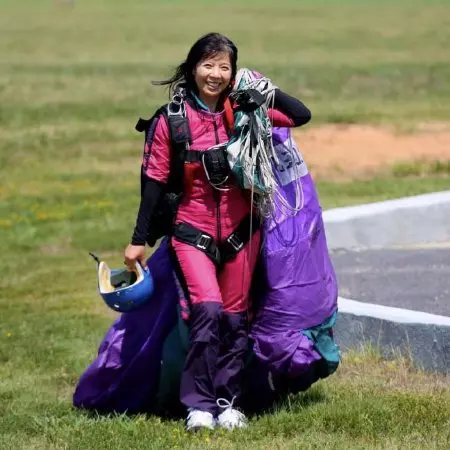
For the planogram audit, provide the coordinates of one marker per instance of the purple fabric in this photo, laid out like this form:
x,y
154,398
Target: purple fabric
x,y
125,374
301,288
197,381
233,349
215,358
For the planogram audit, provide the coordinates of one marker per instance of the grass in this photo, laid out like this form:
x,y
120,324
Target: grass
x,y
389,64
73,80
421,168
369,403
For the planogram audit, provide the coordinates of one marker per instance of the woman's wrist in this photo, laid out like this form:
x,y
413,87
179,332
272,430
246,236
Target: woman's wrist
x,y
137,241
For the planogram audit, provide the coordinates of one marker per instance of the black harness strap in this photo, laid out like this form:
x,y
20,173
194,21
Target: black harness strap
x,y
142,124
237,240
188,234
222,253
191,156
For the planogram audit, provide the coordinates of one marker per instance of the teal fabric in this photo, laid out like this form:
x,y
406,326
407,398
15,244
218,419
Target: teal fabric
x,y
257,122
172,363
200,103
324,343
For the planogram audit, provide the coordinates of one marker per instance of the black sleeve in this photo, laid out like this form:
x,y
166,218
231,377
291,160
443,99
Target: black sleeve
x,y
150,198
292,107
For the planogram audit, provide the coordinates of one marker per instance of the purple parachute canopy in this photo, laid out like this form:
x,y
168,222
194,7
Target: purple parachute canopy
x,y
300,284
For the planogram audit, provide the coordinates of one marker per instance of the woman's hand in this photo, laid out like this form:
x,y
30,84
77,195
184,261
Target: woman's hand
x,y
132,254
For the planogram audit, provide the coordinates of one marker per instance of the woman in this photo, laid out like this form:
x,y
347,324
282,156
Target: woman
x,y
217,294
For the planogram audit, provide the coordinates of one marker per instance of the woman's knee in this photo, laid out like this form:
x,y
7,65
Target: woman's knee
x,y
205,321
235,322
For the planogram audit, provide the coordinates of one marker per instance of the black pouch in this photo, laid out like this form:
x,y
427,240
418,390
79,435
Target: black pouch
x,y
216,165
179,129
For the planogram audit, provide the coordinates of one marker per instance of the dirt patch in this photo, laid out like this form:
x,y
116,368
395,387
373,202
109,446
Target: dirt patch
x,y
342,152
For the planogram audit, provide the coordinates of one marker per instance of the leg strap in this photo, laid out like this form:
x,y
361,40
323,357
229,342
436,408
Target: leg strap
x,y
188,234
232,245
237,240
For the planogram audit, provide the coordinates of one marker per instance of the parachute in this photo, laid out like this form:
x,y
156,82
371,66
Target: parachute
x,y
294,308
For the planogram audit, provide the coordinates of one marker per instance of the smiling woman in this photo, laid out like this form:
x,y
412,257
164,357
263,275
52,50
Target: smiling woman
x,y
215,240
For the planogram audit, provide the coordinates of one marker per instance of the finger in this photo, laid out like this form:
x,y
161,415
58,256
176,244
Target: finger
x,y
129,263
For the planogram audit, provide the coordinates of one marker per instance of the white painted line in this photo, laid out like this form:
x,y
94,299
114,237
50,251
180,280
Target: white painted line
x,y
390,313
370,209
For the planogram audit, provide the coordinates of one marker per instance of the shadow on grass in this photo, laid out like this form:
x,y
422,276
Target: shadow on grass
x,y
176,412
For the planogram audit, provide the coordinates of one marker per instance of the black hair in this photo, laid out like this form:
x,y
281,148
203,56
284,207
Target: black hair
x,y
207,46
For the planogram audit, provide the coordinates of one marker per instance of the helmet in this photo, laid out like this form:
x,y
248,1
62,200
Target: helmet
x,y
124,290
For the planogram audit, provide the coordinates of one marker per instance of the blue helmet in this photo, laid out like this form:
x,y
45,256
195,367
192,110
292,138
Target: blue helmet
x,y
124,290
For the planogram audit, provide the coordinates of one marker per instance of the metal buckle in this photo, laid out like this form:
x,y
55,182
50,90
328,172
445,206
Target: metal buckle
x,y
176,105
203,242
175,109
235,242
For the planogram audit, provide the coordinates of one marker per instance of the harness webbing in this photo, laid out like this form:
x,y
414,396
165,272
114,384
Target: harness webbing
x,y
222,252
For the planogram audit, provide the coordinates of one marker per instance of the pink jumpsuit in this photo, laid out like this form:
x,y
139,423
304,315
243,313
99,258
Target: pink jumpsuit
x,y
218,299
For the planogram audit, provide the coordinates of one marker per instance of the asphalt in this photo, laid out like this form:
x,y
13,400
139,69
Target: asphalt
x,y
411,278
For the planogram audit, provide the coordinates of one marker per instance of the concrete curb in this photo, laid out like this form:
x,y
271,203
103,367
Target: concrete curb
x,y
423,337
406,221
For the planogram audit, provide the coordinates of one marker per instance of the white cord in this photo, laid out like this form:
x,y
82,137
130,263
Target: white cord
x,y
257,162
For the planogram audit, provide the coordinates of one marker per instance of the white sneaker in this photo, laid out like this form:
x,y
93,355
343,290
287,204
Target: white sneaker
x,y
198,419
230,418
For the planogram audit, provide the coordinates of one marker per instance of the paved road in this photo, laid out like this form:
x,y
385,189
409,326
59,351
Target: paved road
x,y
415,278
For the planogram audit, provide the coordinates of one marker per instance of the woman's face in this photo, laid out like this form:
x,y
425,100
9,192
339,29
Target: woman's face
x,y
213,75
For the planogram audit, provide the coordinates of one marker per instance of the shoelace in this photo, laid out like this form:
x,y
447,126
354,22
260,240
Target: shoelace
x,y
226,404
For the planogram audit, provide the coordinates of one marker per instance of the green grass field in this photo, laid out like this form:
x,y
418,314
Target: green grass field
x,y
73,81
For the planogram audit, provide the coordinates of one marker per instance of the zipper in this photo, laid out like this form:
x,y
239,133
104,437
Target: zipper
x,y
217,196
216,192
216,131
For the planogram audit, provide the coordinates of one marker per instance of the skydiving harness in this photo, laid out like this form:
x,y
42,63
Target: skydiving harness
x,y
218,253
217,171
214,160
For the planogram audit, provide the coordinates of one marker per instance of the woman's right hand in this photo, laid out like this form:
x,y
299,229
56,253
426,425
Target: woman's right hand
x,y
132,254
